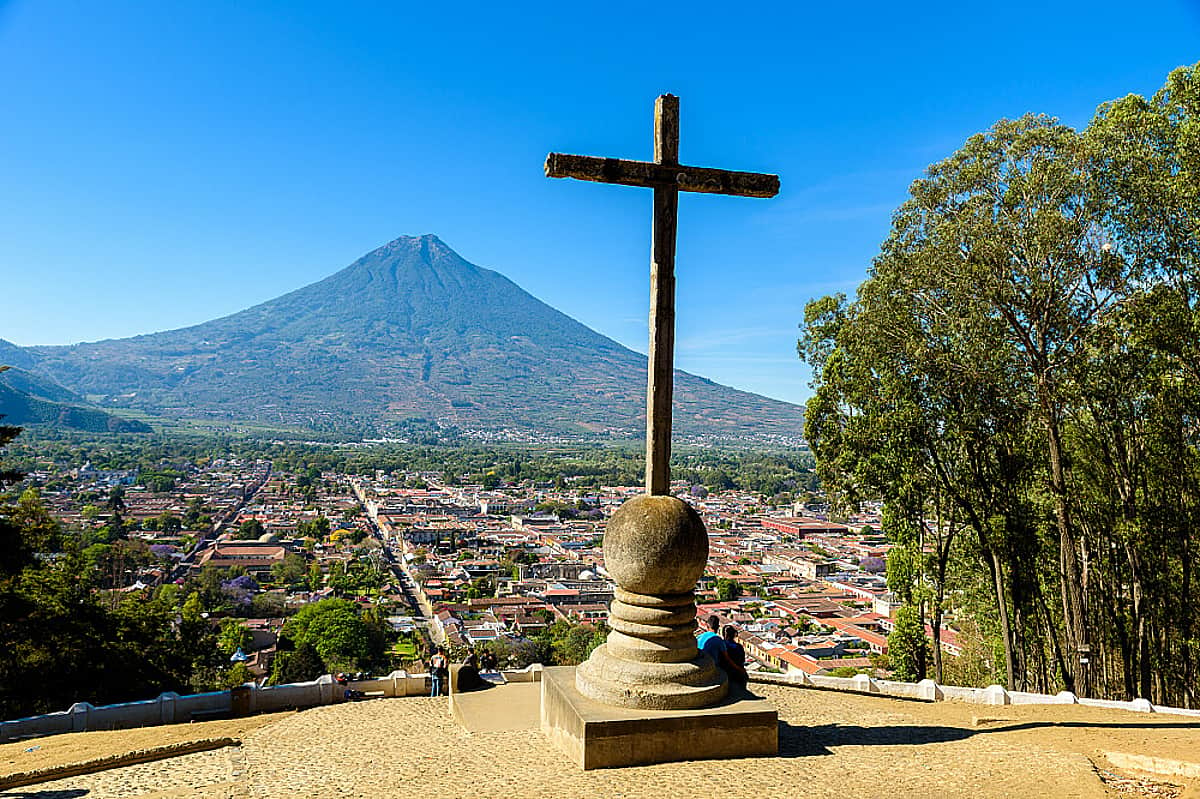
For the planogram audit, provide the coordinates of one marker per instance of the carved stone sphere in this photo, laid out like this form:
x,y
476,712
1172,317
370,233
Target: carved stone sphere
x,y
655,545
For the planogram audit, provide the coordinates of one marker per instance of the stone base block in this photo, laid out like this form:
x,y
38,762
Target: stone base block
x,y
596,735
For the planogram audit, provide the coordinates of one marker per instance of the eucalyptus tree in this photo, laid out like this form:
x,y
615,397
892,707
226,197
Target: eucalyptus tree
x,y
967,338
1023,363
911,407
1141,420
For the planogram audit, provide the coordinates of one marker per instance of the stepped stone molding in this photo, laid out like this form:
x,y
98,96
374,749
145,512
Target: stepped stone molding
x,y
655,548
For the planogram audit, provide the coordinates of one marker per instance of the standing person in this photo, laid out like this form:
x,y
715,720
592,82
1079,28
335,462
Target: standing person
x,y
439,671
735,653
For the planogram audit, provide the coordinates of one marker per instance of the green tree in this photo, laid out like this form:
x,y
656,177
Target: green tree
x,y
292,569
337,633
568,643
727,589
197,514
317,528
169,523
157,482
238,674
116,499
907,646
301,665
250,529
316,578
1020,366
233,636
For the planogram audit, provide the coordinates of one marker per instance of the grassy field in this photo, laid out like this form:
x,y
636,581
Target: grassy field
x,y
405,648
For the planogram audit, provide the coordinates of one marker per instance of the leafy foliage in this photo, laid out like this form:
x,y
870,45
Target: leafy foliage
x,y
908,646
343,639
569,644
1016,380
728,589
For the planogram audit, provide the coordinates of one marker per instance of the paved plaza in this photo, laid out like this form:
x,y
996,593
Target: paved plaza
x,y
831,745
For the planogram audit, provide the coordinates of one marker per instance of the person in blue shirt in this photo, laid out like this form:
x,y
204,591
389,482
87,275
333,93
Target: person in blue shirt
x,y
711,643
716,647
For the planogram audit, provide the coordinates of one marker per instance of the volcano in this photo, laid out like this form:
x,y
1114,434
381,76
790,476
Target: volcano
x,y
410,331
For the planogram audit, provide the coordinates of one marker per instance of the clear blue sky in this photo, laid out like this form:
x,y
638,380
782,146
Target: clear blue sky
x,y
165,163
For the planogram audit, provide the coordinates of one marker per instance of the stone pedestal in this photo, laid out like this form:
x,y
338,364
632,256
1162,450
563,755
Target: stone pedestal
x,y
650,659
597,735
655,547
648,695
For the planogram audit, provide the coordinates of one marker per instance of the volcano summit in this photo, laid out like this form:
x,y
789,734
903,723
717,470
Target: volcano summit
x,y
408,331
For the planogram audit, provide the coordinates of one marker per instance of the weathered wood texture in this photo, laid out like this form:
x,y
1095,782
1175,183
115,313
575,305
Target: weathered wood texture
x,y
667,177
660,374
651,175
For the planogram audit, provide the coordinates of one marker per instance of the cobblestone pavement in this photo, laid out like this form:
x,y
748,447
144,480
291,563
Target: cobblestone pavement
x,y
831,745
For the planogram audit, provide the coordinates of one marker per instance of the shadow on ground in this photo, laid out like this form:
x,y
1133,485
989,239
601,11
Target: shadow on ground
x,y
808,741
70,793
797,741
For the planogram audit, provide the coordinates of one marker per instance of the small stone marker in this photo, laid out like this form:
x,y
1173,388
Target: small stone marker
x,y
656,546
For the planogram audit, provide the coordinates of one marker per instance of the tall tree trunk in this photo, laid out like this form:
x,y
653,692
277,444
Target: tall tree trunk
x,y
944,540
1129,654
936,624
1051,633
1071,576
1187,622
995,565
1141,639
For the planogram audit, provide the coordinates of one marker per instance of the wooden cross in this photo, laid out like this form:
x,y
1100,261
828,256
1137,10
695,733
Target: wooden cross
x,y
667,177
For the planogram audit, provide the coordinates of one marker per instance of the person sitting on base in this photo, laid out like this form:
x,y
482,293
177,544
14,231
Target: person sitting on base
x,y
468,675
710,641
735,653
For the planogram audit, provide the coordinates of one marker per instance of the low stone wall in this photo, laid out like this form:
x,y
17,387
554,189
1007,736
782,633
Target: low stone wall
x,y
930,691
531,673
168,708
171,708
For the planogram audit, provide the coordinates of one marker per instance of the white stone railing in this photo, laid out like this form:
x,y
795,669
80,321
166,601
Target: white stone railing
x,y
171,708
930,691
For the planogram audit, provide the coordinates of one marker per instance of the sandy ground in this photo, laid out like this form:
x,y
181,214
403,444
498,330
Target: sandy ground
x,y
831,745
58,750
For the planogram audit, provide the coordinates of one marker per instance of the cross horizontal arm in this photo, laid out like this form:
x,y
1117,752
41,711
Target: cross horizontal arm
x,y
661,176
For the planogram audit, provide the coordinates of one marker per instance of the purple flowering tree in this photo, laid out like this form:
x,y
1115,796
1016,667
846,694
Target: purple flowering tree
x,y
240,589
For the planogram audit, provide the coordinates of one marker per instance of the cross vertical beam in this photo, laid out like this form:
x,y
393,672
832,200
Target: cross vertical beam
x,y
667,177
660,372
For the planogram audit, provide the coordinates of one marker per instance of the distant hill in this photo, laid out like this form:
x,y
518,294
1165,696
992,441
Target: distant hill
x,y
27,398
12,355
409,331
